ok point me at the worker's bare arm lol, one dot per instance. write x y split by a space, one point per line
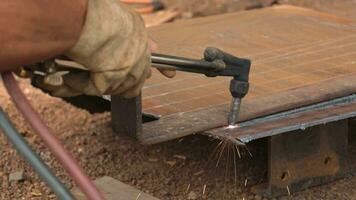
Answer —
33 30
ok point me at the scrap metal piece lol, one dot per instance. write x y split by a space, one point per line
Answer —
302 159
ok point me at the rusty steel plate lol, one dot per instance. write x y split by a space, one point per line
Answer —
299 57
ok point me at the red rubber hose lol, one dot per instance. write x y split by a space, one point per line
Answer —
53 143
137 1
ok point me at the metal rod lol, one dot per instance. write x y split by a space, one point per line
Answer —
185 62
179 68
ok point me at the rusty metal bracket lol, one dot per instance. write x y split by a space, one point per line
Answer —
302 159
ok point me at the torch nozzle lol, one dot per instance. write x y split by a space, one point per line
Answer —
234 111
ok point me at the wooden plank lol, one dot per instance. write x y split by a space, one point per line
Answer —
299 57
113 189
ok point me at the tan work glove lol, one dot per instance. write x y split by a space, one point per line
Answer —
114 48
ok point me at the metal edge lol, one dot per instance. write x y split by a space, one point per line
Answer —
326 106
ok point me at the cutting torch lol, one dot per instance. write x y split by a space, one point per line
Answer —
215 63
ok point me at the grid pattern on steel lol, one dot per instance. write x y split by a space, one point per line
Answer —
291 48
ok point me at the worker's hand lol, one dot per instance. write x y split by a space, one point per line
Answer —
154 49
114 48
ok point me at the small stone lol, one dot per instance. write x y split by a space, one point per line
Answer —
36 193
17 176
199 173
171 163
192 196
153 160
180 157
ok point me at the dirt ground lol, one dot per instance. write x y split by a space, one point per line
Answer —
189 168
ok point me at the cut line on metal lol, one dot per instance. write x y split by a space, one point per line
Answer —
296 119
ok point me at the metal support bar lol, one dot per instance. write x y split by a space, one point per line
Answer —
301 159
126 116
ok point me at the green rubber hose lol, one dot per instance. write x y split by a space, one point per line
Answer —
35 161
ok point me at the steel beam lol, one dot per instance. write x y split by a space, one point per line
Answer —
301 159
